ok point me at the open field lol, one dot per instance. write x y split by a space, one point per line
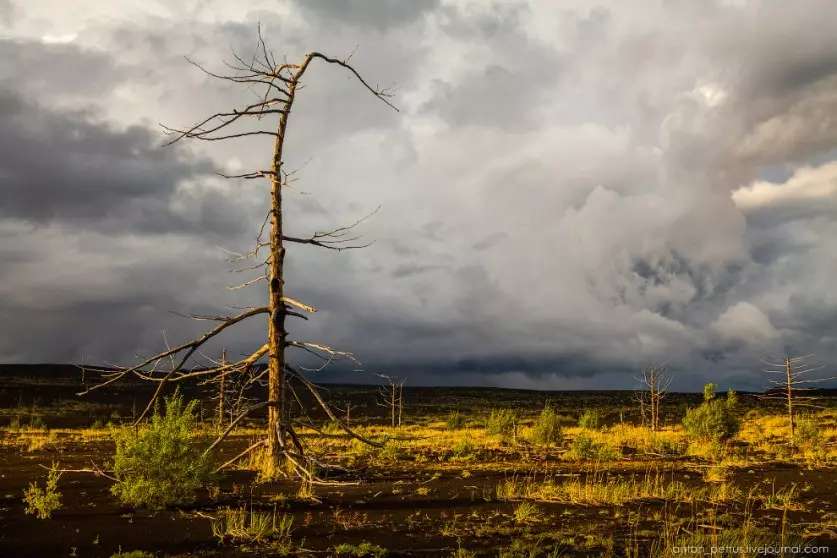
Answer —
443 484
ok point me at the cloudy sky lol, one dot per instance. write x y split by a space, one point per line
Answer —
570 191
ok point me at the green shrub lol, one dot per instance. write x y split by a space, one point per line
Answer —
455 420
241 525
14 424
591 418
584 448
332 427
463 449
43 501
394 450
715 420
808 433
161 463
547 427
665 446
362 549
132 554
501 422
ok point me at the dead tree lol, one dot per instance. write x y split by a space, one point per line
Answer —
392 397
655 380
347 408
222 393
792 385
277 85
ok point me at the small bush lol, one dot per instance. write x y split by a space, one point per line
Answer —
43 501
362 549
547 427
665 446
394 450
132 554
37 423
253 526
161 464
808 432
455 420
585 448
592 419
14 424
463 449
332 427
715 420
501 422
526 512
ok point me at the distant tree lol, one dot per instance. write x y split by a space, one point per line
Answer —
391 396
715 420
792 385
655 380
279 84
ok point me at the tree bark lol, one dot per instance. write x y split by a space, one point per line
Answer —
277 334
788 369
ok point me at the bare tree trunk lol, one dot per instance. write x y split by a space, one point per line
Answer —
653 393
788 370
794 372
656 378
392 403
400 402
277 380
221 386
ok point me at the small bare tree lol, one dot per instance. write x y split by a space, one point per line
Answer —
391 396
655 380
792 385
279 84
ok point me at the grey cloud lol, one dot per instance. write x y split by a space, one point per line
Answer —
484 21
37 69
69 167
498 89
490 241
386 15
409 270
561 194
7 12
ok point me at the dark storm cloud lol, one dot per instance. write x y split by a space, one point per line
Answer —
566 195
35 69
381 15
497 90
68 167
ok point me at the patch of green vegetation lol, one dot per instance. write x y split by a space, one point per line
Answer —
241 525
455 420
547 427
715 420
464 449
332 427
133 554
161 463
526 512
363 549
585 448
591 418
42 502
501 422
808 433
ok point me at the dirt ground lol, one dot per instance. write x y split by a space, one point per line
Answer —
428 507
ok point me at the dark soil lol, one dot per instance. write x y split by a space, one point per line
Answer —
407 509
